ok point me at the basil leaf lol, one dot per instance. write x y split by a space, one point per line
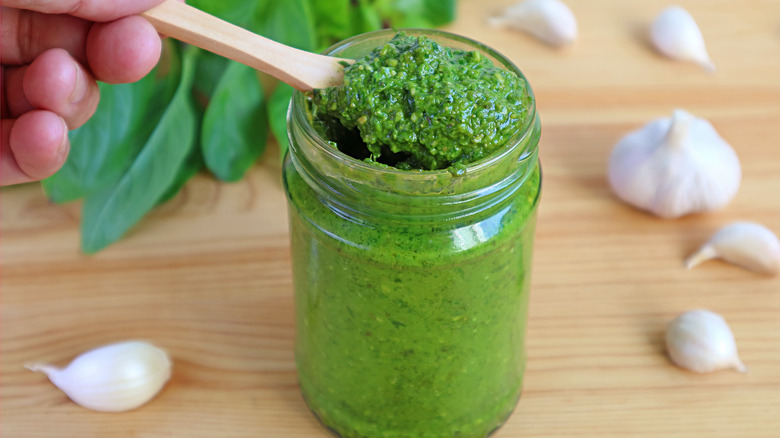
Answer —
191 167
102 148
278 104
289 22
209 68
234 126
439 12
107 215
238 12
365 18
331 20
416 13
65 185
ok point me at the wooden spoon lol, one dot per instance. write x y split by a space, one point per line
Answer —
303 70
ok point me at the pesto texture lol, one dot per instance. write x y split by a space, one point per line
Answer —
411 330
417 105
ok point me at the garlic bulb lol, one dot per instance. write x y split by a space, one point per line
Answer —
745 244
673 167
701 341
675 34
548 20
113 378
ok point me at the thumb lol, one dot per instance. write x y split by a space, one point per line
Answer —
93 10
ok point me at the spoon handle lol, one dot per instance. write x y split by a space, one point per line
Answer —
303 70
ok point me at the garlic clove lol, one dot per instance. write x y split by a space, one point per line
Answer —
701 341
675 166
746 244
548 20
675 34
113 378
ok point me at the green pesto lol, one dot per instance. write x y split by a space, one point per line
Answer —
415 104
411 288
411 329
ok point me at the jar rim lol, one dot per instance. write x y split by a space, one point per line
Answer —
299 101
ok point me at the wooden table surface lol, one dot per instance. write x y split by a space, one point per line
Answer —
207 276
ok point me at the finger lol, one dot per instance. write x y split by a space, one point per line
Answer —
55 82
32 147
28 34
3 94
94 10
58 83
124 50
14 100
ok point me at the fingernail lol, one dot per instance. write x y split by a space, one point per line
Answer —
79 87
64 147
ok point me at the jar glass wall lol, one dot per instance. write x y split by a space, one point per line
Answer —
411 288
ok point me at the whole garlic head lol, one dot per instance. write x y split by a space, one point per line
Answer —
675 166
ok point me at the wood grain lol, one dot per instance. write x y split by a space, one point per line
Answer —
208 275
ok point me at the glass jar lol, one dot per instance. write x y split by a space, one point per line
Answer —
411 287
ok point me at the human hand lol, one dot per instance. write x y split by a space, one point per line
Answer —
52 53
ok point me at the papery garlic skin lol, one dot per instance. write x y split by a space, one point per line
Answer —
746 244
548 20
113 378
675 34
701 341
674 167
